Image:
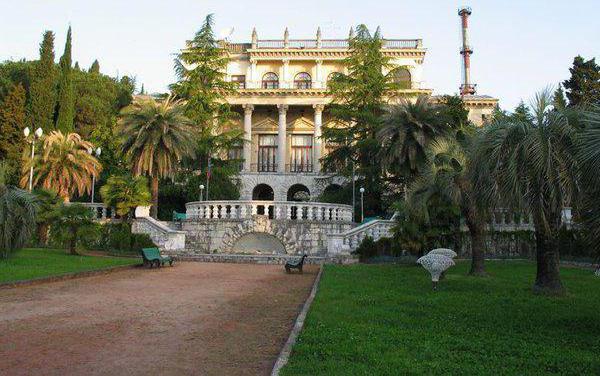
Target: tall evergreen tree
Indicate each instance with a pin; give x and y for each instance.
(95, 67)
(66, 101)
(583, 87)
(357, 107)
(200, 69)
(12, 120)
(76, 66)
(558, 99)
(43, 86)
(522, 113)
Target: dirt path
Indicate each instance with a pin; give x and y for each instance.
(192, 319)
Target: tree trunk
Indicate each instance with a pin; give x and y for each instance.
(477, 232)
(547, 279)
(73, 242)
(154, 208)
(42, 231)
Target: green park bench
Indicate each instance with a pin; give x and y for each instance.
(152, 257)
(295, 265)
(178, 217)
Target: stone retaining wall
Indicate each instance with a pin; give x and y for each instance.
(261, 259)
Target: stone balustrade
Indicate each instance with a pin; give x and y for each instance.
(344, 243)
(506, 220)
(100, 211)
(286, 210)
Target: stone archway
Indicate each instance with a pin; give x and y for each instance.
(259, 225)
(263, 192)
(298, 192)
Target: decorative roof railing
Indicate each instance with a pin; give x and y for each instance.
(314, 43)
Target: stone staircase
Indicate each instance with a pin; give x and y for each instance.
(345, 243)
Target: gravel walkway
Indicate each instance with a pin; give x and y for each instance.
(192, 319)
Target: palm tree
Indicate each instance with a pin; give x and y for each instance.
(531, 167)
(156, 137)
(72, 219)
(66, 166)
(17, 216)
(447, 174)
(407, 129)
(48, 202)
(125, 193)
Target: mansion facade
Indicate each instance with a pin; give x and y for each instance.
(282, 94)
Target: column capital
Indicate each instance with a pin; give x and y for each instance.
(248, 108)
(282, 108)
(319, 107)
(253, 61)
(285, 61)
(319, 61)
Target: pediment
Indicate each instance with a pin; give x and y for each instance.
(267, 124)
(301, 124)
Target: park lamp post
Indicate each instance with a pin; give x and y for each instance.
(90, 151)
(201, 190)
(37, 134)
(362, 204)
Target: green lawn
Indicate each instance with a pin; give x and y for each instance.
(37, 263)
(386, 320)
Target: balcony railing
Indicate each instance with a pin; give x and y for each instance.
(300, 167)
(263, 167)
(325, 43)
(290, 210)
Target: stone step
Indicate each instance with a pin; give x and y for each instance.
(263, 259)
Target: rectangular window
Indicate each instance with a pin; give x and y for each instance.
(301, 153)
(236, 154)
(239, 80)
(267, 153)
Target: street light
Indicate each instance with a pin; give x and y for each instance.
(38, 134)
(362, 204)
(201, 190)
(98, 151)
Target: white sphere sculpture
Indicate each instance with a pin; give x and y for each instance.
(435, 265)
(443, 251)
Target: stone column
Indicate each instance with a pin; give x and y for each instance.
(318, 81)
(283, 81)
(282, 138)
(317, 137)
(248, 108)
(254, 81)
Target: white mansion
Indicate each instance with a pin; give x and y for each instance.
(283, 99)
(283, 94)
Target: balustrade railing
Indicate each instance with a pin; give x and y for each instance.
(507, 220)
(100, 211)
(325, 43)
(291, 210)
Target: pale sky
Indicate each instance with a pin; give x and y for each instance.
(520, 46)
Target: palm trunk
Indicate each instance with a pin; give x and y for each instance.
(154, 208)
(476, 227)
(547, 279)
(73, 242)
(42, 231)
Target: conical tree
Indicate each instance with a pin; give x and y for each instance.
(66, 100)
(12, 119)
(95, 67)
(43, 86)
(156, 137)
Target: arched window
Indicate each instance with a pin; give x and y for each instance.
(302, 81)
(402, 78)
(270, 81)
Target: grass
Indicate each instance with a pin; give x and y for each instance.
(37, 263)
(386, 320)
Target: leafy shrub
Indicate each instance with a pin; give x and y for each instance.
(384, 248)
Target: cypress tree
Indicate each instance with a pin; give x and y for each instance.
(558, 100)
(95, 67)
(12, 120)
(66, 101)
(76, 66)
(43, 86)
(583, 87)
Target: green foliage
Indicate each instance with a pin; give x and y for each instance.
(115, 238)
(156, 137)
(95, 67)
(384, 249)
(522, 113)
(12, 119)
(125, 193)
(357, 107)
(583, 87)
(71, 222)
(49, 203)
(17, 216)
(558, 99)
(386, 320)
(43, 86)
(66, 101)
(34, 263)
